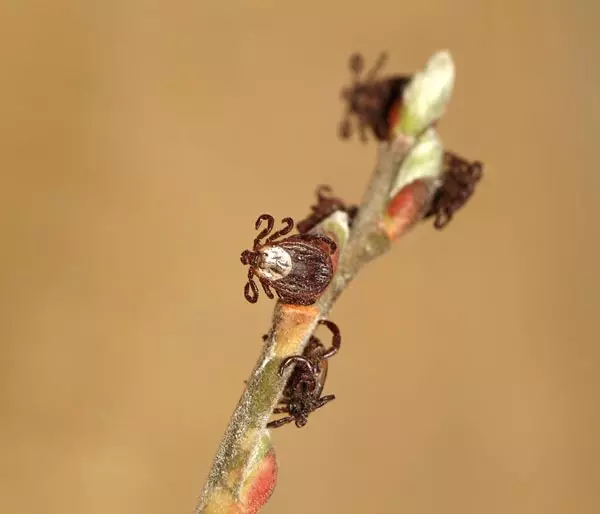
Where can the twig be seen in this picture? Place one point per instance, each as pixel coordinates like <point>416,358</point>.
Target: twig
<point>244,470</point>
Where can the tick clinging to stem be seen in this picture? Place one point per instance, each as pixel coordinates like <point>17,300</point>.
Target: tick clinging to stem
<point>458,184</point>
<point>326,205</point>
<point>373,102</point>
<point>302,392</point>
<point>376,104</point>
<point>298,267</point>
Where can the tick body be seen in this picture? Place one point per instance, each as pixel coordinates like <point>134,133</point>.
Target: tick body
<point>302,393</point>
<point>326,205</point>
<point>375,103</point>
<point>299,267</point>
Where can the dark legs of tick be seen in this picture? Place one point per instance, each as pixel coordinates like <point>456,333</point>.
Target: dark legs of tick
<point>288,419</point>
<point>325,400</point>
<point>251,289</point>
<point>280,422</point>
<point>266,288</point>
<point>289,225</point>
<point>336,340</point>
<point>288,222</point>
<point>376,67</point>
<point>356,63</point>
<point>265,232</point>
<point>296,359</point>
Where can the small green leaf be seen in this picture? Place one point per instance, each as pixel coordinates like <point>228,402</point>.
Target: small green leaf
<point>424,162</point>
<point>427,95</point>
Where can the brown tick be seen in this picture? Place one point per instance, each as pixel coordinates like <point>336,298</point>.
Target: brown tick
<point>302,392</point>
<point>326,205</point>
<point>459,179</point>
<point>374,102</point>
<point>298,267</point>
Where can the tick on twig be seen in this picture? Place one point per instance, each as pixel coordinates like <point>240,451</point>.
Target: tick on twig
<point>302,392</point>
<point>298,267</point>
<point>373,102</point>
<point>326,205</point>
<point>459,179</point>
<point>376,105</point>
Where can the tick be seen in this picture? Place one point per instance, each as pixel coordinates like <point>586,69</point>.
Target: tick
<point>326,205</point>
<point>375,103</point>
<point>302,392</point>
<point>299,267</point>
<point>459,180</point>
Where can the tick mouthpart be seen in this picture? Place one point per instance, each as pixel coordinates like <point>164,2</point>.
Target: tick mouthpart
<point>300,422</point>
<point>249,258</point>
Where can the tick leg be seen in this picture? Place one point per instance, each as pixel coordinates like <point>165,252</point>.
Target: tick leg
<point>280,410</point>
<point>307,224</point>
<point>376,67</point>
<point>324,193</point>
<point>449,158</point>
<point>279,422</point>
<point>345,129</point>
<point>362,131</point>
<point>251,287</point>
<point>442,219</point>
<point>336,340</point>
<point>289,222</point>
<point>476,171</point>
<point>356,63</point>
<point>455,161</point>
<point>266,288</point>
<point>324,400</point>
<point>296,359</point>
<point>270,224</point>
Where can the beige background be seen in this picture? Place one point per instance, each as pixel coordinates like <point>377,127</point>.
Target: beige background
<point>139,140</point>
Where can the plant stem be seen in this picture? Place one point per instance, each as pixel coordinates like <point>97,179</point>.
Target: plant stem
<point>244,472</point>
<point>291,329</point>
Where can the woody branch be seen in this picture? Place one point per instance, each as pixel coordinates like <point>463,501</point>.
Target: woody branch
<point>407,176</point>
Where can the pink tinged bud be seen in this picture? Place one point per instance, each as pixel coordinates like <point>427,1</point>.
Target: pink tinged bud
<point>406,208</point>
<point>260,484</point>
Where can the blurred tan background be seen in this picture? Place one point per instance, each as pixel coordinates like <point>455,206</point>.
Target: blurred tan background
<point>139,140</point>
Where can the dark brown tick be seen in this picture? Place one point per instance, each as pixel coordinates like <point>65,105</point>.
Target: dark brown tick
<point>302,392</point>
<point>326,205</point>
<point>459,179</point>
<point>374,102</point>
<point>298,267</point>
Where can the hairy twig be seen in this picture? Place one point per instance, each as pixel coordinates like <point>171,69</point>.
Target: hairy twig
<point>400,190</point>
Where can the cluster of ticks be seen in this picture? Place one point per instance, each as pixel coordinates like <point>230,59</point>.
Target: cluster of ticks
<point>299,267</point>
